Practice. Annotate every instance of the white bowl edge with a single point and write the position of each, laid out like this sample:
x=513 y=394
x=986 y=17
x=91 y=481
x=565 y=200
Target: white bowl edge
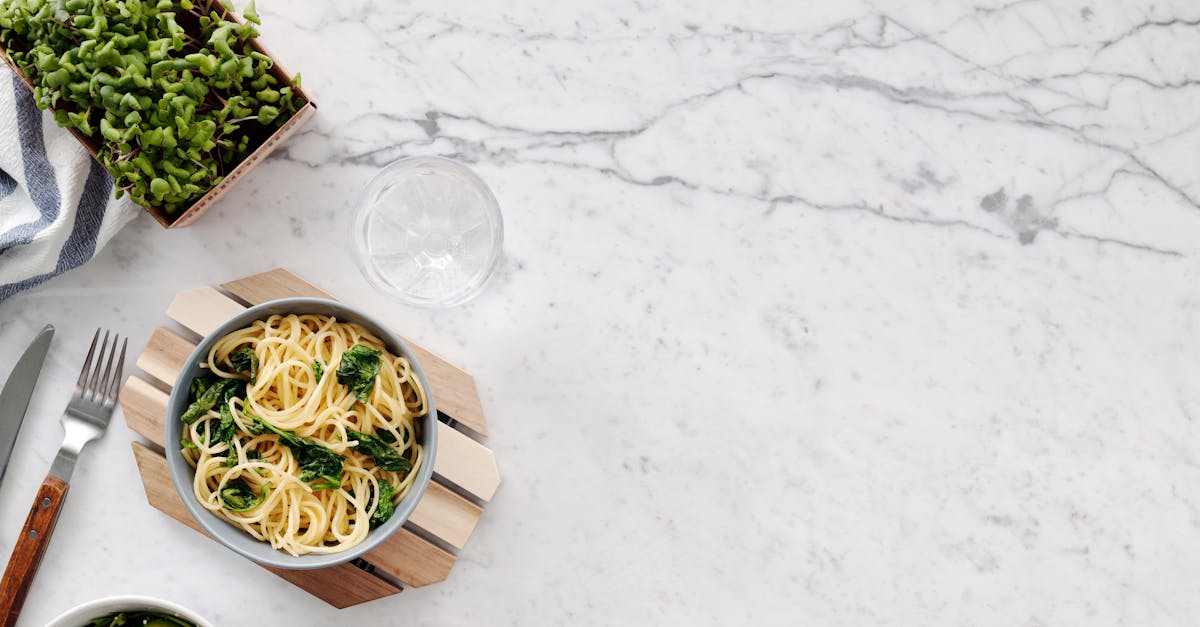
x=82 y=614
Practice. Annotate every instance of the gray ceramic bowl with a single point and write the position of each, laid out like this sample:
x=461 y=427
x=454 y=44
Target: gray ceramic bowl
x=182 y=473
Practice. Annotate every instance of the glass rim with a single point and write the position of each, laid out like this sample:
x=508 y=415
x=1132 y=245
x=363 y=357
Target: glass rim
x=365 y=207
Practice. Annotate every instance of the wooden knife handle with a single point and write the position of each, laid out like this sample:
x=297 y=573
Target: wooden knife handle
x=30 y=547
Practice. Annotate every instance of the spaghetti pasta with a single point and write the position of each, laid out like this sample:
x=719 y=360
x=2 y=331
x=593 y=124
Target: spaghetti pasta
x=304 y=434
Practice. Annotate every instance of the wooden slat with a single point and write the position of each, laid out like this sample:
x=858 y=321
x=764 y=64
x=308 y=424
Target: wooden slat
x=202 y=309
x=341 y=586
x=467 y=463
x=440 y=511
x=273 y=285
x=453 y=390
x=446 y=515
x=144 y=406
x=164 y=355
x=409 y=558
x=160 y=493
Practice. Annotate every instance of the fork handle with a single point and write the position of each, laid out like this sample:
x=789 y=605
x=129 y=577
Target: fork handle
x=30 y=547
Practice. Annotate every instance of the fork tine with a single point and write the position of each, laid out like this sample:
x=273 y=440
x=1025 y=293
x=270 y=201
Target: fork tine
x=111 y=397
x=87 y=364
x=90 y=390
x=102 y=389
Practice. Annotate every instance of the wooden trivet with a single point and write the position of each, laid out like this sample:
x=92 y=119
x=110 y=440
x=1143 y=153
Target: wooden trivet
x=465 y=474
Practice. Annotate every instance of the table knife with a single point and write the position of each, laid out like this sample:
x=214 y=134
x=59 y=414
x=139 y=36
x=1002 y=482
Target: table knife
x=14 y=399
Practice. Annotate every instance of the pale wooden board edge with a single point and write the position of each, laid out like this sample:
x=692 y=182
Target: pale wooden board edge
x=144 y=407
x=467 y=463
x=164 y=355
x=454 y=391
x=273 y=285
x=411 y=559
x=341 y=586
x=202 y=309
x=446 y=515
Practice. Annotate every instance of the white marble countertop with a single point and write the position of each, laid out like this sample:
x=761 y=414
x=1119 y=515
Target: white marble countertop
x=812 y=313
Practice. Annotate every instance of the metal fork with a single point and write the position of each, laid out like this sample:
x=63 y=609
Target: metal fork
x=86 y=418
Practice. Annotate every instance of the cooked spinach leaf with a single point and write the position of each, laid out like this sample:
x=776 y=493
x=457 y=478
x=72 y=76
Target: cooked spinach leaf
x=388 y=437
x=227 y=427
x=318 y=370
x=186 y=443
x=316 y=461
x=358 y=370
x=254 y=455
x=199 y=384
x=385 y=508
x=238 y=496
x=384 y=455
x=245 y=360
x=208 y=398
x=287 y=437
x=255 y=424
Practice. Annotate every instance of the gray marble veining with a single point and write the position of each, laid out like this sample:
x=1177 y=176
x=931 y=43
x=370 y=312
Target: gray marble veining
x=854 y=313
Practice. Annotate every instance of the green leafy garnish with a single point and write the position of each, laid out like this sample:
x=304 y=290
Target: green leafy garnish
x=208 y=399
x=386 y=457
x=245 y=361
x=389 y=437
x=238 y=496
x=385 y=507
x=318 y=370
x=316 y=461
x=186 y=443
x=227 y=427
x=140 y=617
x=358 y=370
x=199 y=384
x=174 y=93
x=254 y=455
x=255 y=424
x=326 y=484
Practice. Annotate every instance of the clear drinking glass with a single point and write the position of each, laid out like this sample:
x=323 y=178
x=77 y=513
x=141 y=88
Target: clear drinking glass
x=428 y=231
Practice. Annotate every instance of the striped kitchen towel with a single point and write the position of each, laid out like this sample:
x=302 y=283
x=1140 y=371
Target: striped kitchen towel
x=56 y=203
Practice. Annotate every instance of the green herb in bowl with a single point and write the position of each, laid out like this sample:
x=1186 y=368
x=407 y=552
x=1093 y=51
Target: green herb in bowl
x=139 y=619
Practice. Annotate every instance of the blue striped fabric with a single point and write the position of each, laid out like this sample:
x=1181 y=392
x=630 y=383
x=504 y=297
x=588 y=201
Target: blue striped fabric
x=56 y=204
x=39 y=174
x=7 y=184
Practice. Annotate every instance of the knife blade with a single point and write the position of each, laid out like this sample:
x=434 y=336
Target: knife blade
x=14 y=398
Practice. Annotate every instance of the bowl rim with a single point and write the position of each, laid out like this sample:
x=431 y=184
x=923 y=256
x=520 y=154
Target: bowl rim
x=182 y=473
x=134 y=601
